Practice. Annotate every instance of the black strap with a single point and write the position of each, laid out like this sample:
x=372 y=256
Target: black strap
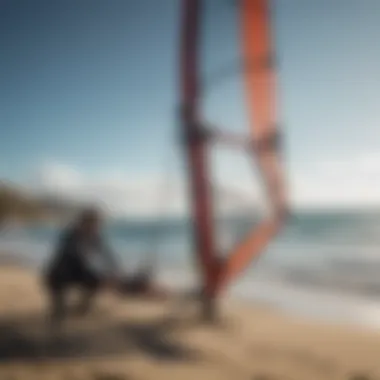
x=192 y=130
x=270 y=142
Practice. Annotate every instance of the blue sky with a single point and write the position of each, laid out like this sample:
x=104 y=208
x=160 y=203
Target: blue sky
x=88 y=92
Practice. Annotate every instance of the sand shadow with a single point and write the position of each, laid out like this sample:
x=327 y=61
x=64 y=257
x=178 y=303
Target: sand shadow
x=27 y=338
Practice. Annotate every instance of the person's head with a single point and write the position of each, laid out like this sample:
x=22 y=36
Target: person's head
x=89 y=221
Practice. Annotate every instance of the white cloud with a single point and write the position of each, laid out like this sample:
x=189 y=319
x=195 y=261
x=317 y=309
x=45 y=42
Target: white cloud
x=58 y=178
x=116 y=191
x=352 y=182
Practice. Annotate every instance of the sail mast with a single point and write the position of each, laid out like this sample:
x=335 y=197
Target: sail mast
x=195 y=145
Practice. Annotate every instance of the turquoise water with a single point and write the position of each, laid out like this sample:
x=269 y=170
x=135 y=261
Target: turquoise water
x=324 y=254
x=317 y=242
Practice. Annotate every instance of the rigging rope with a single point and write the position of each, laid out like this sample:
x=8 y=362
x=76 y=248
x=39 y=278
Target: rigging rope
x=164 y=195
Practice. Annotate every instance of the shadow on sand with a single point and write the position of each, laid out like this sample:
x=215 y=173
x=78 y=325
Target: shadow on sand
x=27 y=338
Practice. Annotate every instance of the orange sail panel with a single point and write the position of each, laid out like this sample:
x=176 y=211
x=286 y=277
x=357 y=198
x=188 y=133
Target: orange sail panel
x=259 y=78
x=260 y=83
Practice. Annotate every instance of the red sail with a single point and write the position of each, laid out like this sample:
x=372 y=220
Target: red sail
x=259 y=78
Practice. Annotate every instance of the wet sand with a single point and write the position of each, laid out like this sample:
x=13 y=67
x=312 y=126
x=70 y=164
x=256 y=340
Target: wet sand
x=127 y=339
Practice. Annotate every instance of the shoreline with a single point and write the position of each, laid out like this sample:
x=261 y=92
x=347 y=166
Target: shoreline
x=317 y=304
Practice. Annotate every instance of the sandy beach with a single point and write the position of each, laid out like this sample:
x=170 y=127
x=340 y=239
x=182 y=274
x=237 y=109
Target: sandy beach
x=128 y=339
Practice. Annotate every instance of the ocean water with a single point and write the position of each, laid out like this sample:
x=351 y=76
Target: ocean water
x=325 y=265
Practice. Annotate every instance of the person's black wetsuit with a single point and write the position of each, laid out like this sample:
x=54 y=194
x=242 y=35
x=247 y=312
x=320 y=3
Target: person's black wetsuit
x=69 y=267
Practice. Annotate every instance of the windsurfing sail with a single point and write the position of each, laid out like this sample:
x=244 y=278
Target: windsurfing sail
x=263 y=139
